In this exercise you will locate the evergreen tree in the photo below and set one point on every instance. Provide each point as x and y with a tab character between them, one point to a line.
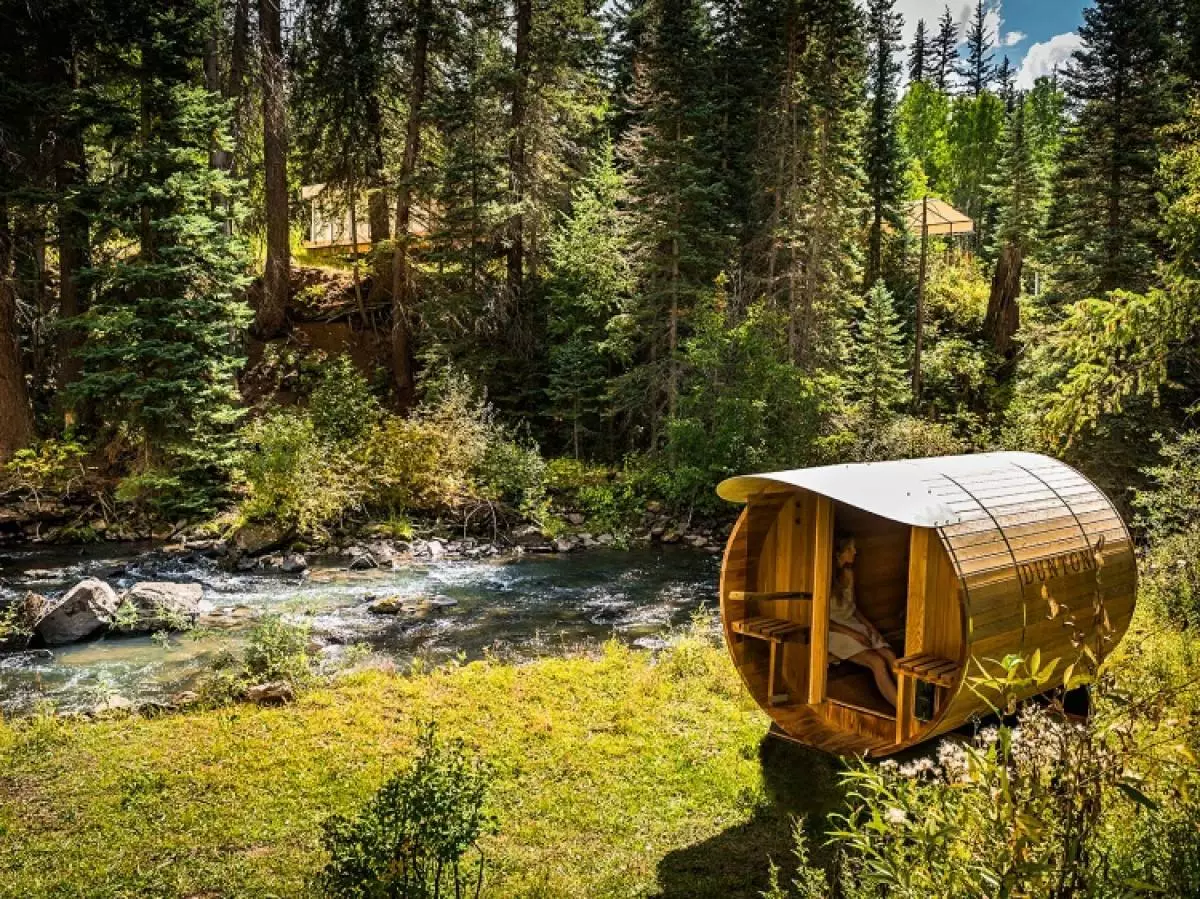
978	72
1006	80
1106	213
678	225
944	50
882	155
809	178
919	55
877	374
160	353
590	279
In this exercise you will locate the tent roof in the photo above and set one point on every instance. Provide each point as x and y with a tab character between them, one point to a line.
906	491
942	218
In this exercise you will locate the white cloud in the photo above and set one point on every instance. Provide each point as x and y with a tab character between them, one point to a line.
1013	38
1044	57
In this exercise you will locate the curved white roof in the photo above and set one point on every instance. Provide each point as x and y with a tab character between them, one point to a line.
902	490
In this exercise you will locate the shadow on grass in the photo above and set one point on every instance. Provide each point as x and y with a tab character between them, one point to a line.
734	864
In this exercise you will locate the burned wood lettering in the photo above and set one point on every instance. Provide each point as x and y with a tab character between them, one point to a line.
1061	565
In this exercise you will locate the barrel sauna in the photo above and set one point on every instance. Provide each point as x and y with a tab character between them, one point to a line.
961	560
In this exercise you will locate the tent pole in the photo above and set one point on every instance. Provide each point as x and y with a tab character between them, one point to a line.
918	331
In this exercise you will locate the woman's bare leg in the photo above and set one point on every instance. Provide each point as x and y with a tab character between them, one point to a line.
881	670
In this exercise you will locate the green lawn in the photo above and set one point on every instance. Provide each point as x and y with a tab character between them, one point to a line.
618	774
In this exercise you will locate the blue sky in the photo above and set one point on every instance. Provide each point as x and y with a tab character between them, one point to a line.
1035	34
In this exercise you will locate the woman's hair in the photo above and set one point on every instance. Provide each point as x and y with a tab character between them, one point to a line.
841	543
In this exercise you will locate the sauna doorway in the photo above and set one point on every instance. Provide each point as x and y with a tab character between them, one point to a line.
881	594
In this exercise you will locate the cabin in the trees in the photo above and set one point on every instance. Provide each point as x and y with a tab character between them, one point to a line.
961	560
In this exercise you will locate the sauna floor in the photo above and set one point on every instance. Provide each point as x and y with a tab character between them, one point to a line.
857	689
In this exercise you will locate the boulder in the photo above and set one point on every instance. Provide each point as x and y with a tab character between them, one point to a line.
275	692
30	610
255	537
437	549
88	607
528	535
576	518
159	606
360	558
564	545
389	605
118	705
293	563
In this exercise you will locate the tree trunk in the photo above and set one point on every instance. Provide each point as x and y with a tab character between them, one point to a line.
70	172
16	416
377	201
1003	313
516	153
269	319
402	373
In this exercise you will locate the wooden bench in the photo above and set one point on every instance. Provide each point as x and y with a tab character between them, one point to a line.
776	632
924	667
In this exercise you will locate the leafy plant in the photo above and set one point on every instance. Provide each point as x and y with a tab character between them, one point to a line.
419	834
52	467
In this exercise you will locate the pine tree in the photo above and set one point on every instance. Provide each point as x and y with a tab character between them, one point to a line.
589	280
804	257
678	225
978	71
1106	212
944	49
1006	81
878	380
919	55
160	352
882	155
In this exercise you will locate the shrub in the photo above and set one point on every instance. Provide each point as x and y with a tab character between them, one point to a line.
277	650
1171	517
296	478
53	467
418	836
342	407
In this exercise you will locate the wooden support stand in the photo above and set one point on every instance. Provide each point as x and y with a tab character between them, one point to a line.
777	632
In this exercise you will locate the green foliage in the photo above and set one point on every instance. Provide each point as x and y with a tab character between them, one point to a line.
809	882
877	373
342	407
976	127
159	354
1171	518
744	406
924	123
1051	808
419	834
277	649
50	468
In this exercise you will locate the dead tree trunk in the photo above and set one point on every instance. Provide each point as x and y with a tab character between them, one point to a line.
16	415
1003	312
269	319
402	373
377	201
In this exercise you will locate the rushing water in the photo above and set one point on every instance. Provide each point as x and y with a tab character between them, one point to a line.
537	605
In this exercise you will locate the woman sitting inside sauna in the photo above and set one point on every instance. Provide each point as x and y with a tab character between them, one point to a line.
852	636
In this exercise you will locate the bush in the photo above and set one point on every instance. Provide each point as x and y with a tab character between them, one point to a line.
1171	517
296	478
277	650
418	837
51	468
342	407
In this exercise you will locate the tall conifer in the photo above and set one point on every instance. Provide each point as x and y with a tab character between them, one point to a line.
944	49
882	154
978	71
919	55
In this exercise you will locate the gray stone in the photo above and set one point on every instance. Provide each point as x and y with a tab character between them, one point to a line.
256	537
576	518
159	606
271	693
564	545
606	540
88	607
118	705
528	535
437	549
293	563
443	602
31	609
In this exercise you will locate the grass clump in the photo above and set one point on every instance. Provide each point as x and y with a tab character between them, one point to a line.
413	838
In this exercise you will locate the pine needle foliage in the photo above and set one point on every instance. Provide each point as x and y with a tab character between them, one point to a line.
877	373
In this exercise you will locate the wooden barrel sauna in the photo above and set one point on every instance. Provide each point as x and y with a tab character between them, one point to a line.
961	560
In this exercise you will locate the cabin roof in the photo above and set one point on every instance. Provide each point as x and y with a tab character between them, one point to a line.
910	491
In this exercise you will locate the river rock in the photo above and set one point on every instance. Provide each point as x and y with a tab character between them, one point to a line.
117	705
293	563
442	602
275	692
159	606
437	549
360	558
564	545
529	536
88	607
576	518
255	537
389	605
30	610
